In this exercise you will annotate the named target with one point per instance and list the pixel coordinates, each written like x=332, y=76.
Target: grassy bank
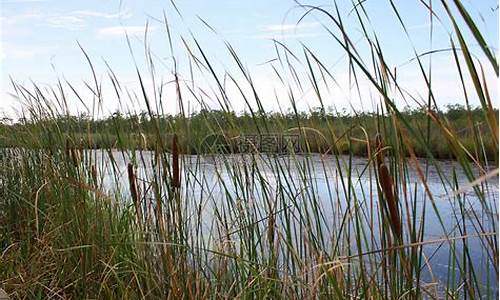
x=318, y=131
x=146, y=221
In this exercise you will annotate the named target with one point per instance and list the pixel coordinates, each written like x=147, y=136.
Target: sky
x=41, y=40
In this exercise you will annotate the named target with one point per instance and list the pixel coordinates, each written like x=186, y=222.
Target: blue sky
x=39, y=43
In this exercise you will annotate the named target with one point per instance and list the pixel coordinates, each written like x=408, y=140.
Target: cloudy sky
x=39, y=43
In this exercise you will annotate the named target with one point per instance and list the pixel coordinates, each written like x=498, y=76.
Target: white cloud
x=67, y=22
x=73, y=20
x=90, y=13
x=14, y=19
x=285, y=36
x=289, y=31
x=281, y=28
x=121, y=30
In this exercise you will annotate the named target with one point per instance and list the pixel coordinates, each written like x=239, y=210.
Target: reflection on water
x=327, y=190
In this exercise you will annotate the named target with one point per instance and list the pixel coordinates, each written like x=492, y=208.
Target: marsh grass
x=73, y=226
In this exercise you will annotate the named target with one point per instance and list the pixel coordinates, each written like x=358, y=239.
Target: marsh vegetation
x=134, y=205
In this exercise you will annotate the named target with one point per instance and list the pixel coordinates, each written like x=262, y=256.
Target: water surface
x=326, y=190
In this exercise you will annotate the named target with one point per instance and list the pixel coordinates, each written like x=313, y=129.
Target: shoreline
x=353, y=155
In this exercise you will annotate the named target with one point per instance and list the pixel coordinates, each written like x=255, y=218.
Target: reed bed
x=147, y=220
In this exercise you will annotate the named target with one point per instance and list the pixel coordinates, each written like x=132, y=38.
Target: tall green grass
x=141, y=220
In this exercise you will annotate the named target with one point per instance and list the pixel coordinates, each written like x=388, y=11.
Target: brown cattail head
x=133, y=187
x=68, y=148
x=387, y=186
x=176, y=176
x=270, y=229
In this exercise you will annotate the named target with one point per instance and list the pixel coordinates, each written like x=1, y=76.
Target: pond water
x=326, y=190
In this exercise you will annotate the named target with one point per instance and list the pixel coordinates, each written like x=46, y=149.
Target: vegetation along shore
x=208, y=131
